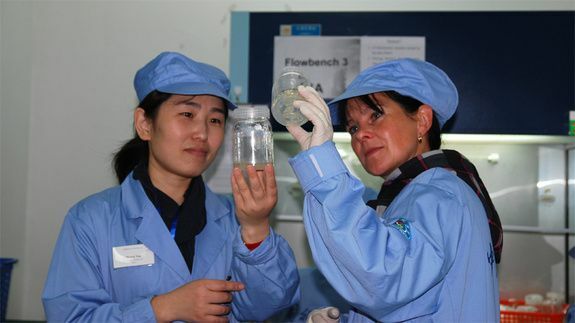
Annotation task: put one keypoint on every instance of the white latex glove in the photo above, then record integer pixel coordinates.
(316, 110)
(324, 315)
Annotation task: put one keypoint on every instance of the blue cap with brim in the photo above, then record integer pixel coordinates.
(175, 73)
(410, 77)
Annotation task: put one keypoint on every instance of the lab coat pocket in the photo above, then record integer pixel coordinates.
(138, 281)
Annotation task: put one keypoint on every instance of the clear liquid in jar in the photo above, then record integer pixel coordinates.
(253, 145)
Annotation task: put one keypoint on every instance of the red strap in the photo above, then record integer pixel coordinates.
(254, 245)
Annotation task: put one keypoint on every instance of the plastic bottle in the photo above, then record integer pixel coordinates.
(252, 137)
(284, 93)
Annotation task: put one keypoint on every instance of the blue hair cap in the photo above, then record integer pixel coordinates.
(175, 73)
(410, 77)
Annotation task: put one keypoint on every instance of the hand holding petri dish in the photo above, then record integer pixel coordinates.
(284, 93)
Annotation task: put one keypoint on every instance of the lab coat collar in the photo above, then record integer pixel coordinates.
(152, 230)
(152, 233)
(136, 201)
(214, 236)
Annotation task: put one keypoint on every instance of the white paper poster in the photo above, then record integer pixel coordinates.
(375, 50)
(331, 62)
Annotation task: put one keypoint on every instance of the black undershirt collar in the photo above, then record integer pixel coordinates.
(191, 215)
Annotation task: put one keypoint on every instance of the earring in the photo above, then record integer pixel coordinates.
(419, 139)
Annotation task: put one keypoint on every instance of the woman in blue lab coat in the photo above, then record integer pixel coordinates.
(426, 249)
(162, 246)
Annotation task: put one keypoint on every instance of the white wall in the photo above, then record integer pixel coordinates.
(66, 97)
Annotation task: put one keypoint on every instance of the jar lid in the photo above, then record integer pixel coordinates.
(248, 111)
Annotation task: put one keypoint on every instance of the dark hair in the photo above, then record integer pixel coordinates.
(135, 150)
(407, 103)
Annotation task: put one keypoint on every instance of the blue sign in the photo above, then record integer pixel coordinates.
(306, 30)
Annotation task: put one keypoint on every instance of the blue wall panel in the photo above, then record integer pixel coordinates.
(515, 71)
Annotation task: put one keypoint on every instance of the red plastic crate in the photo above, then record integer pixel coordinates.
(531, 317)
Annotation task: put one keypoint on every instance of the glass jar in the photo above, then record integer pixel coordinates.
(252, 137)
(284, 93)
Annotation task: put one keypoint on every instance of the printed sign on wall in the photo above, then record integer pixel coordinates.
(331, 62)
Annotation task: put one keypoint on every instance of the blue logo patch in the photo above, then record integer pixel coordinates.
(403, 226)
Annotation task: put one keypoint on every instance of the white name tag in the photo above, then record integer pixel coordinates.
(132, 255)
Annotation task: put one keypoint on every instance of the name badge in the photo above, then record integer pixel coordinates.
(132, 255)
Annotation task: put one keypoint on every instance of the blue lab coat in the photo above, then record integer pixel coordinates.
(83, 285)
(427, 258)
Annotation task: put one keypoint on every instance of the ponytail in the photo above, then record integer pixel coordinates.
(135, 150)
(129, 156)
